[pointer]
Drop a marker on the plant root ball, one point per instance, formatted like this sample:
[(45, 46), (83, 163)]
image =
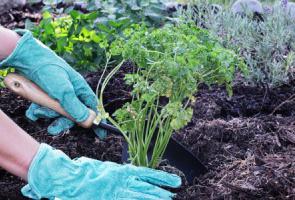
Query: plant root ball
[(243, 6), (8, 4)]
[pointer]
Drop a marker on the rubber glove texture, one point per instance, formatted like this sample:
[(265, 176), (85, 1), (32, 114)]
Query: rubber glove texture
[(60, 81), (53, 174)]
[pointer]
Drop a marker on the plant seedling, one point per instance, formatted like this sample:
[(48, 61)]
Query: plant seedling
[(171, 63)]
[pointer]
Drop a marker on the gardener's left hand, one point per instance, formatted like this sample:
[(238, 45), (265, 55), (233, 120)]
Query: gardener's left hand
[(54, 174), (59, 80)]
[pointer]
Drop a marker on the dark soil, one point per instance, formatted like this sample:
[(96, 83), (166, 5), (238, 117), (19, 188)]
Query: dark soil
[(247, 141), (15, 18)]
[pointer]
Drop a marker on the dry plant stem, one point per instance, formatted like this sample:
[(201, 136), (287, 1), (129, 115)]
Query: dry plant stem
[(17, 148), (290, 99)]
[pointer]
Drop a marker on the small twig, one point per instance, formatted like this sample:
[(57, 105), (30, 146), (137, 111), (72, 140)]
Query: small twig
[(248, 191), (264, 96), (40, 131), (290, 99)]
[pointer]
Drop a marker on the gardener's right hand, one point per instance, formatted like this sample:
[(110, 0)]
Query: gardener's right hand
[(52, 174), (57, 78)]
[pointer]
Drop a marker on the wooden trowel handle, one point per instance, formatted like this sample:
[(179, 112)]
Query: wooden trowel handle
[(30, 91)]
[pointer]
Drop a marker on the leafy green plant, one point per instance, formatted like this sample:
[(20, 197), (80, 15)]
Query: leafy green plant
[(153, 12), (83, 38), (171, 63), (4, 73), (267, 46), (57, 6), (77, 38)]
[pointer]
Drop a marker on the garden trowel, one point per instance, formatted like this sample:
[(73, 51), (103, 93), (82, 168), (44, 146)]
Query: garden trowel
[(177, 154)]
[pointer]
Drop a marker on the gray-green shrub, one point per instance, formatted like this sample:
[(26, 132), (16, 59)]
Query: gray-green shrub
[(267, 46)]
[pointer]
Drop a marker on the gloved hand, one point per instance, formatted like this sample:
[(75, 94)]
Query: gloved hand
[(52, 174), (50, 72), (59, 125)]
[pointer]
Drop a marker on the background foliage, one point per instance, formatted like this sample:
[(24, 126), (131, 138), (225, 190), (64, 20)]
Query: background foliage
[(78, 38), (267, 45), (225, 2), (83, 38), (3, 73)]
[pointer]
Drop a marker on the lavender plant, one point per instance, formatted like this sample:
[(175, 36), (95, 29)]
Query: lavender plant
[(284, 3), (267, 46)]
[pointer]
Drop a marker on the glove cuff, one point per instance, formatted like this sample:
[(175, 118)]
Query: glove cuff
[(11, 60), (44, 178), (42, 151), (30, 55)]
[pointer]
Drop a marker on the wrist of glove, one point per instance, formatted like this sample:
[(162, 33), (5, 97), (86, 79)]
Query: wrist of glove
[(53, 174)]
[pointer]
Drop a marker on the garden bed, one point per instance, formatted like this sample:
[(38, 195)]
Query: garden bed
[(248, 148), (247, 141)]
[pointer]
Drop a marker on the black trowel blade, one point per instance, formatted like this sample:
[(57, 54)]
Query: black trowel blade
[(183, 159)]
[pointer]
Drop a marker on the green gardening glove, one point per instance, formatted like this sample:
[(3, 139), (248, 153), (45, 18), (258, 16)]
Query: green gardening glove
[(59, 80), (53, 174), (59, 125)]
